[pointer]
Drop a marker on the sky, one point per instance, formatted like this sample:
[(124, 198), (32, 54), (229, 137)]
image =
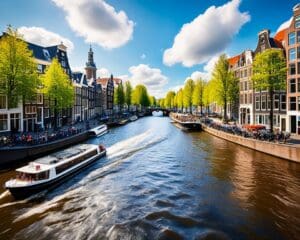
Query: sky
[(159, 43)]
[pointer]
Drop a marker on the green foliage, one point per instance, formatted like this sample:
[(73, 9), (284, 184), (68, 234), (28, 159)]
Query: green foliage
[(128, 93), (57, 86), (222, 82), (152, 101), (119, 95), (179, 98), (140, 96), (269, 73), (269, 70), (169, 100), (18, 70), (188, 93), (197, 98)]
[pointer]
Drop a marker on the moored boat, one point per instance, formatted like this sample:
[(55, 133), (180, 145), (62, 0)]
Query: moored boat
[(133, 118), (98, 131), (123, 121), (48, 172)]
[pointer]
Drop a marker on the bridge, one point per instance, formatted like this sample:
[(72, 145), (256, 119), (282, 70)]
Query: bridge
[(149, 111)]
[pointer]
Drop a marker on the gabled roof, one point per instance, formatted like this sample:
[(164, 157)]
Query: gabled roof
[(280, 35), (234, 60), (79, 78)]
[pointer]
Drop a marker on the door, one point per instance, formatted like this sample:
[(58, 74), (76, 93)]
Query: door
[(283, 124), (293, 124)]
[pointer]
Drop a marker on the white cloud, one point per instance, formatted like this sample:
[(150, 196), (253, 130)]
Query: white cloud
[(103, 72), (207, 35), (143, 56), (284, 25), (77, 69), (98, 22), (208, 68), (152, 78), (43, 37)]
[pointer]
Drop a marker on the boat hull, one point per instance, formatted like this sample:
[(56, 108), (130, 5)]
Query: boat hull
[(26, 191)]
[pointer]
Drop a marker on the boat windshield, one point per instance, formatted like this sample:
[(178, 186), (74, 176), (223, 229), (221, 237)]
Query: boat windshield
[(32, 176)]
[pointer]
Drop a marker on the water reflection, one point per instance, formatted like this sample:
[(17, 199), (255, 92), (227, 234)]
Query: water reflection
[(158, 182)]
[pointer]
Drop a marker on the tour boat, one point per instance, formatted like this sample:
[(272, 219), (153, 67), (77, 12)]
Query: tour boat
[(98, 131), (50, 171), (133, 118)]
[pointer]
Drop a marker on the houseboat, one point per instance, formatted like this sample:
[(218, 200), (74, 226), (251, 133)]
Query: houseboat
[(48, 172), (98, 131)]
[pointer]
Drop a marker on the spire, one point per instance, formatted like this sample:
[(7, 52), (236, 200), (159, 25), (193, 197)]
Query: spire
[(90, 62)]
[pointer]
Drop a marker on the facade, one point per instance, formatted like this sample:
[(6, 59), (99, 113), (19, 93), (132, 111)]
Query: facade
[(261, 99), (36, 115), (107, 85), (291, 41), (88, 95), (241, 65)]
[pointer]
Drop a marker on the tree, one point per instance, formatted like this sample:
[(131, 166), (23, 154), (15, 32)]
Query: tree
[(140, 96), (222, 82), (169, 99), (58, 88), (18, 70), (197, 98), (152, 101), (269, 73), (128, 93), (208, 96), (179, 99), (119, 96), (188, 94)]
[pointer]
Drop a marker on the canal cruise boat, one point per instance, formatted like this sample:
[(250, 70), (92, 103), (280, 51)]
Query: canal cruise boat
[(50, 171), (98, 131)]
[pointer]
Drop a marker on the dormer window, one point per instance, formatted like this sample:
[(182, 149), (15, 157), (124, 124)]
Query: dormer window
[(46, 54), (297, 21)]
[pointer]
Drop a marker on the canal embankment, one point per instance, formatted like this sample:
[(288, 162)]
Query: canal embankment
[(289, 152)]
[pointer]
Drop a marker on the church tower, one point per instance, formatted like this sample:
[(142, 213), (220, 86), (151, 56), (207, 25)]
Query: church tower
[(90, 66)]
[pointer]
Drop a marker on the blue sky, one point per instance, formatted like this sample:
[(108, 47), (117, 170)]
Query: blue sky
[(132, 43)]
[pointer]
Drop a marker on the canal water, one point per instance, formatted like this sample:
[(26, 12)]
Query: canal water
[(159, 182)]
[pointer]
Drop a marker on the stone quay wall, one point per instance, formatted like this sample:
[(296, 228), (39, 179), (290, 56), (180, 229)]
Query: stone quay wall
[(285, 151)]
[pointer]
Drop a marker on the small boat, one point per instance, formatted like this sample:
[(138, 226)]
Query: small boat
[(98, 131), (123, 121), (50, 171), (133, 118)]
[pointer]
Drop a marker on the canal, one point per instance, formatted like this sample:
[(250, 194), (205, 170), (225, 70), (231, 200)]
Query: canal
[(158, 182)]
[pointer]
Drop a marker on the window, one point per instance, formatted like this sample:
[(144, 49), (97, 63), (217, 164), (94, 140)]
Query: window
[(246, 87), (250, 98), (263, 102), (298, 84), (40, 68), (2, 102), (63, 63), (298, 103), (245, 73), (298, 36), (292, 54), (292, 69), (46, 54), (3, 122), (257, 104), (292, 103), (283, 102), (39, 98), (15, 121), (276, 101), (297, 22), (292, 85), (292, 38), (30, 109), (269, 102)]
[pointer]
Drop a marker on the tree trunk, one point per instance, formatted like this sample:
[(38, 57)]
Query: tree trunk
[(225, 111), (55, 114), (201, 109), (271, 93)]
